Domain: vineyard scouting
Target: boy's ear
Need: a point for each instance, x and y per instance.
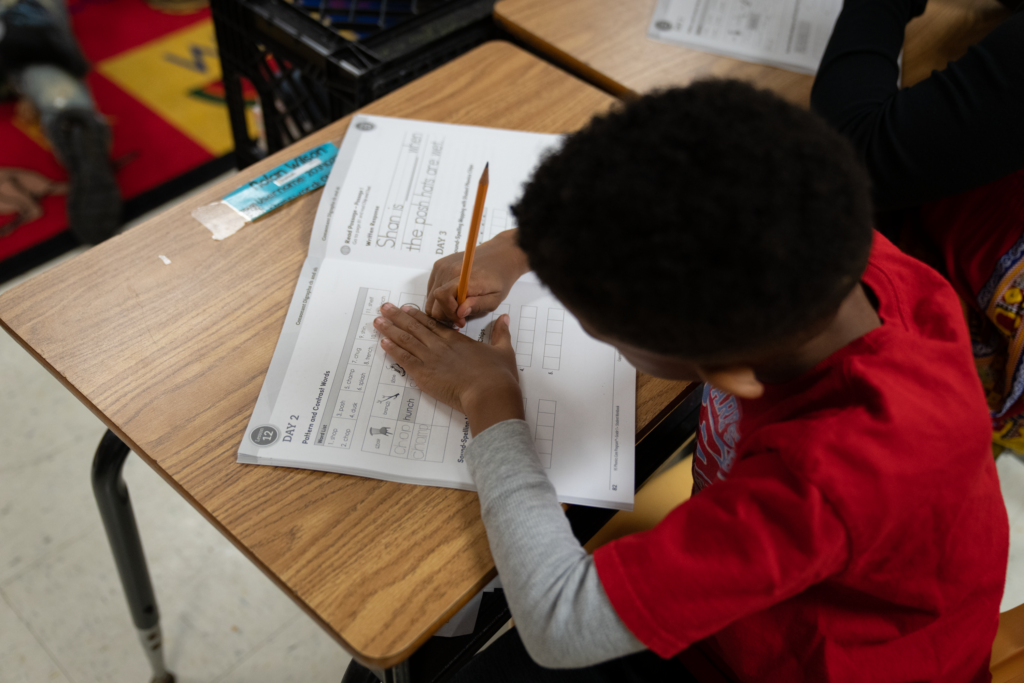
(738, 380)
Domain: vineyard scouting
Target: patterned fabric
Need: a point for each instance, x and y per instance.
(155, 78)
(980, 234)
(717, 436)
(997, 338)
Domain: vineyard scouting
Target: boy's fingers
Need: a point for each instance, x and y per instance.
(435, 311)
(430, 303)
(414, 322)
(404, 358)
(401, 329)
(444, 297)
(482, 304)
(398, 338)
(428, 322)
(501, 337)
(439, 288)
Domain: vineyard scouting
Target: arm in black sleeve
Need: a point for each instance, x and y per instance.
(958, 129)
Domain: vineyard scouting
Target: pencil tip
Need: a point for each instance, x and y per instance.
(484, 176)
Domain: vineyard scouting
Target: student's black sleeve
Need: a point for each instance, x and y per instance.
(960, 128)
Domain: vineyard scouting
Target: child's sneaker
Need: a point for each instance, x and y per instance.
(81, 141)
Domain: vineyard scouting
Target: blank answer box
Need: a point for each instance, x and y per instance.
(546, 419)
(544, 453)
(552, 351)
(528, 312)
(523, 360)
(546, 433)
(551, 363)
(556, 314)
(525, 348)
(545, 406)
(527, 323)
(525, 335)
(554, 326)
(553, 338)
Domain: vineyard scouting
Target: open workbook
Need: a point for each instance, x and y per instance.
(399, 197)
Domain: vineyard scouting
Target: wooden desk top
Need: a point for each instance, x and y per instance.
(605, 41)
(172, 358)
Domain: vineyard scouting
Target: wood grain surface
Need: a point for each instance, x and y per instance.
(172, 358)
(605, 42)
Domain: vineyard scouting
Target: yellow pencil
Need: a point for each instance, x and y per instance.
(474, 233)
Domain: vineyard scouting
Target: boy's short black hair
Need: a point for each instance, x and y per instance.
(711, 221)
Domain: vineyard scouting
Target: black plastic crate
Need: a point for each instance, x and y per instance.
(311, 62)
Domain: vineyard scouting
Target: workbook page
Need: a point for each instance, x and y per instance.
(332, 399)
(402, 191)
(344, 405)
(791, 34)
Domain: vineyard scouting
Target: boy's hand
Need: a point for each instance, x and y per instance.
(477, 379)
(498, 263)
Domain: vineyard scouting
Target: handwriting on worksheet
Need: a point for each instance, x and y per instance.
(334, 400)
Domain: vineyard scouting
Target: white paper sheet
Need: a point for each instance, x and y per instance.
(790, 34)
(400, 196)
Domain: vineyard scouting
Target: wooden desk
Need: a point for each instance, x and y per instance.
(605, 42)
(172, 358)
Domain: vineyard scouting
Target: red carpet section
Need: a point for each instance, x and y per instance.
(156, 78)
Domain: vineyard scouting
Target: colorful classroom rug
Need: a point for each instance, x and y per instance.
(156, 78)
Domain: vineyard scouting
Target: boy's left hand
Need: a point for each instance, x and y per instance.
(477, 379)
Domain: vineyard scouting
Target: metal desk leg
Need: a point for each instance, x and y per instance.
(119, 520)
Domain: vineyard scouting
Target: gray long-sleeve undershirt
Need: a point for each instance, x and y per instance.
(563, 615)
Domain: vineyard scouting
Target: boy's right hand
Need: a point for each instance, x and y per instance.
(498, 263)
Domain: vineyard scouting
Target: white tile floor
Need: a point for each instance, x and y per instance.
(63, 617)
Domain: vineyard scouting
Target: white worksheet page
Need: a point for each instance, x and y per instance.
(334, 401)
(790, 34)
(404, 190)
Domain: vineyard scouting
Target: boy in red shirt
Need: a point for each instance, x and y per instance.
(847, 524)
